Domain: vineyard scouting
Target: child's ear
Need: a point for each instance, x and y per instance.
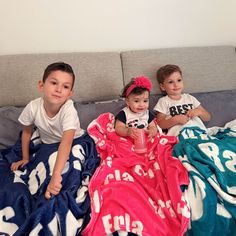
(40, 85)
(71, 93)
(127, 101)
(161, 87)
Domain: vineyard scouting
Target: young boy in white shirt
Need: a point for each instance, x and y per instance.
(177, 108)
(55, 117)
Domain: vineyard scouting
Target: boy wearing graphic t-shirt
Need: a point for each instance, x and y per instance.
(177, 108)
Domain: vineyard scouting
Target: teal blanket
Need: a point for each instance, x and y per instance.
(211, 194)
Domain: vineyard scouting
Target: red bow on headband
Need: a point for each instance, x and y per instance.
(140, 81)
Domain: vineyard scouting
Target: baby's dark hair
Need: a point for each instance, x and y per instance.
(136, 90)
(61, 66)
(165, 71)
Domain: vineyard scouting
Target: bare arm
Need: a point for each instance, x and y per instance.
(201, 112)
(152, 129)
(64, 149)
(124, 131)
(167, 122)
(25, 140)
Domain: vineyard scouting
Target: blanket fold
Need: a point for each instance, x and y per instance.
(211, 162)
(23, 207)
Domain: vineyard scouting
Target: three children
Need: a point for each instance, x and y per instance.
(57, 120)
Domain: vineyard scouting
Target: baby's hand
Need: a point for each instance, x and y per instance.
(54, 186)
(181, 119)
(132, 132)
(16, 165)
(152, 131)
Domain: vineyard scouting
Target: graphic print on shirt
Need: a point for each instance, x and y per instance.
(180, 109)
(138, 123)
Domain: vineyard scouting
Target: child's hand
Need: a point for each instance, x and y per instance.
(16, 165)
(181, 119)
(54, 186)
(192, 113)
(132, 132)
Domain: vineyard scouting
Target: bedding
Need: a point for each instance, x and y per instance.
(132, 193)
(210, 158)
(23, 207)
(194, 122)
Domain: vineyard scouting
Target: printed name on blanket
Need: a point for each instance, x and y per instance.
(211, 194)
(115, 223)
(23, 207)
(212, 150)
(140, 194)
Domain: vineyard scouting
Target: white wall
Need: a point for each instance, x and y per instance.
(37, 26)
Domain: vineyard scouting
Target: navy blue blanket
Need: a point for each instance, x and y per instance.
(23, 207)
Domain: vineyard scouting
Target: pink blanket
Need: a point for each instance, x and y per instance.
(133, 192)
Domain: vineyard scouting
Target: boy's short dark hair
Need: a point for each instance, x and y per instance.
(61, 66)
(166, 71)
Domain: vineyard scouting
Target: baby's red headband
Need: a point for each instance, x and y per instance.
(140, 81)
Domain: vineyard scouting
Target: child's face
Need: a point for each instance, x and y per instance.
(57, 88)
(173, 85)
(138, 103)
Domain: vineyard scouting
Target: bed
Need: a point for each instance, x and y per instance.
(201, 193)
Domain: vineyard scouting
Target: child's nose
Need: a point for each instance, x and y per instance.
(59, 88)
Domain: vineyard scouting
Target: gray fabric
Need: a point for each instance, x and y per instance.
(221, 105)
(89, 112)
(9, 126)
(98, 76)
(205, 69)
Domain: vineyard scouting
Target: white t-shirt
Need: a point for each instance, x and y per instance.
(171, 107)
(131, 119)
(51, 129)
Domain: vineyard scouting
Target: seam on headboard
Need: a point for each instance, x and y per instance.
(122, 68)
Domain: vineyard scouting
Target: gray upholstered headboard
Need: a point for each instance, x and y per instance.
(102, 75)
(98, 76)
(205, 69)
